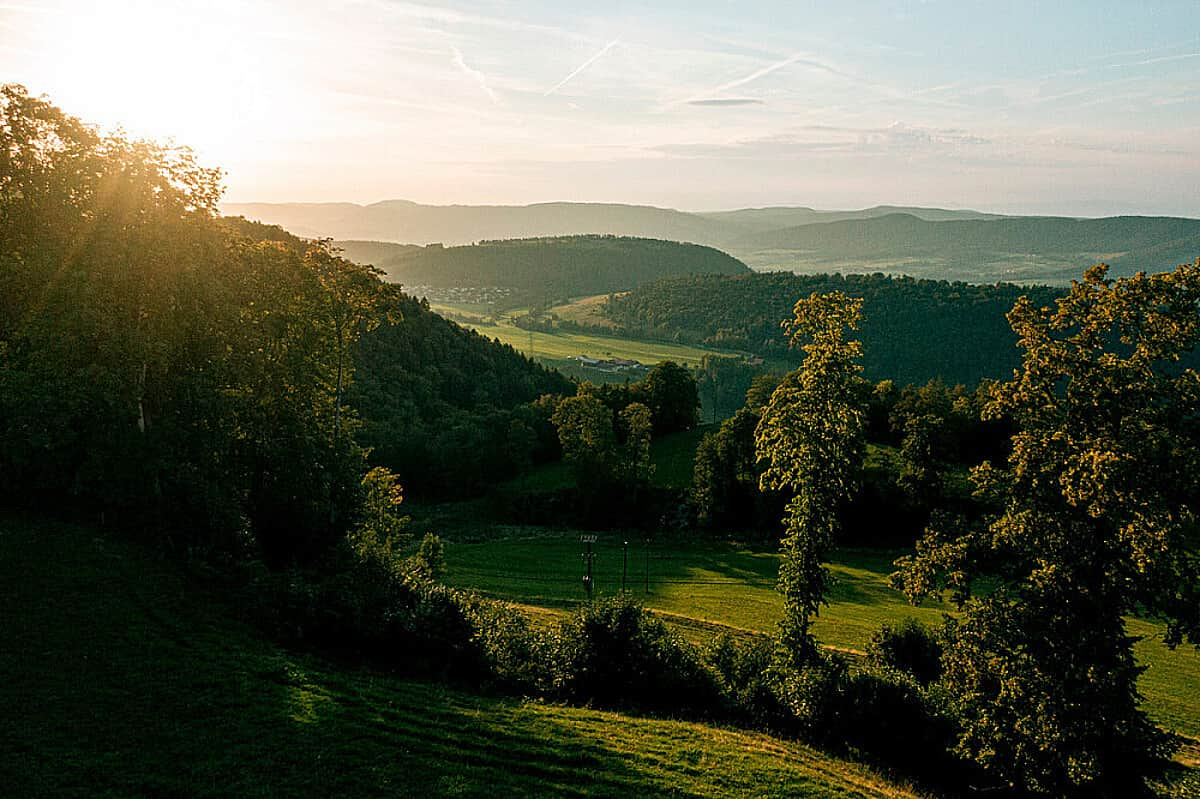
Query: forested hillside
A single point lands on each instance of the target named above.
(557, 267)
(1038, 249)
(437, 403)
(912, 330)
(441, 405)
(372, 252)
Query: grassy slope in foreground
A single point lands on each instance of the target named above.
(119, 679)
(717, 583)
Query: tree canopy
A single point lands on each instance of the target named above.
(1093, 513)
(811, 437)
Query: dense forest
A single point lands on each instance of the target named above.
(912, 330)
(557, 267)
(438, 403)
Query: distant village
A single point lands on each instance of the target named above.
(620, 365)
(612, 365)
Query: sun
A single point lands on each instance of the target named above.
(196, 73)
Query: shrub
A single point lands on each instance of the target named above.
(432, 555)
(514, 651)
(889, 719)
(613, 653)
(743, 672)
(909, 647)
(811, 695)
(377, 606)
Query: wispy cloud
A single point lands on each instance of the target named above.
(582, 66)
(762, 72)
(726, 101)
(1158, 60)
(475, 75)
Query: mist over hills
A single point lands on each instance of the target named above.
(412, 223)
(562, 266)
(934, 243)
(407, 222)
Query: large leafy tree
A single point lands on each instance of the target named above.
(670, 392)
(1093, 512)
(153, 360)
(585, 431)
(811, 437)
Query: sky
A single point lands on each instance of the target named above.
(1079, 108)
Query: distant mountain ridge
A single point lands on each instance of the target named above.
(937, 243)
(406, 222)
(412, 223)
(562, 266)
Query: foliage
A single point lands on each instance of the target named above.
(431, 555)
(449, 410)
(670, 392)
(585, 433)
(1095, 506)
(811, 438)
(743, 669)
(634, 426)
(381, 528)
(567, 266)
(912, 330)
(613, 653)
(153, 361)
(725, 486)
(909, 647)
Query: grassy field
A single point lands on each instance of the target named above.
(120, 678)
(708, 586)
(562, 346)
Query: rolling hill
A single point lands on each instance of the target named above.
(413, 223)
(761, 220)
(1047, 249)
(912, 330)
(557, 267)
(937, 243)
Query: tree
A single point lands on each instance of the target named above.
(634, 422)
(811, 438)
(1093, 509)
(382, 528)
(670, 392)
(725, 478)
(585, 432)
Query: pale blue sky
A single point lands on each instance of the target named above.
(1079, 108)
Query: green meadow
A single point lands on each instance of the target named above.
(122, 677)
(708, 587)
(562, 346)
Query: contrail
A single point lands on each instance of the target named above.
(582, 67)
(478, 76)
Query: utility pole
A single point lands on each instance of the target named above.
(647, 540)
(588, 557)
(624, 563)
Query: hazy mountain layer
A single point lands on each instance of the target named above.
(413, 223)
(564, 266)
(922, 242)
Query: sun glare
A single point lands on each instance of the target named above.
(163, 70)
